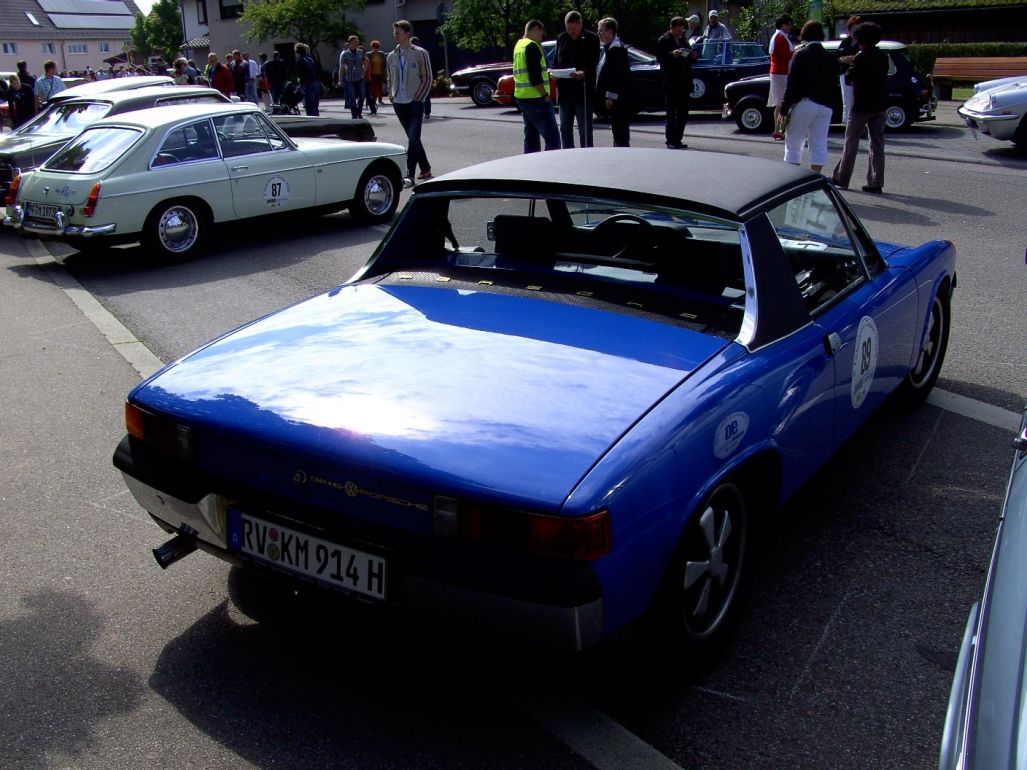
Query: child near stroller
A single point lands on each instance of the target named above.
(289, 102)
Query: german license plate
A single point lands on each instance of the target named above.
(41, 210)
(326, 562)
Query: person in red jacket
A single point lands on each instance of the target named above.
(218, 75)
(781, 49)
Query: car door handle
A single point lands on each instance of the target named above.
(239, 168)
(832, 342)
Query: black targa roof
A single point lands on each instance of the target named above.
(728, 186)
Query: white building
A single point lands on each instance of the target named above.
(74, 33)
(212, 25)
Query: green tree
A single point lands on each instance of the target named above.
(480, 24)
(306, 21)
(165, 28)
(141, 36)
(160, 30)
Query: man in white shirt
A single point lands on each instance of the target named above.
(253, 72)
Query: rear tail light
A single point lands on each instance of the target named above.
(159, 431)
(12, 191)
(581, 538)
(94, 196)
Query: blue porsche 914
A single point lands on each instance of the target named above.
(555, 399)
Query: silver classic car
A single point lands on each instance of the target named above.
(165, 175)
(985, 726)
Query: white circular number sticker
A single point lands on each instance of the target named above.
(698, 88)
(276, 192)
(864, 361)
(730, 433)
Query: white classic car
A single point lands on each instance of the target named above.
(165, 175)
(999, 108)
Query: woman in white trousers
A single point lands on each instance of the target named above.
(812, 80)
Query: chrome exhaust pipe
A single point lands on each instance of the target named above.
(176, 548)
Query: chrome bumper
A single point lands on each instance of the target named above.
(542, 625)
(16, 218)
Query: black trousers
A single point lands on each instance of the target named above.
(676, 96)
(620, 124)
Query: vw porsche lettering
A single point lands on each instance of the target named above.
(352, 489)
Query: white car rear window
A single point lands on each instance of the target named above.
(94, 150)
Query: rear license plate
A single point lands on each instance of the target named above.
(41, 210)
(326, 562)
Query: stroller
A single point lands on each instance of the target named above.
(292, 95)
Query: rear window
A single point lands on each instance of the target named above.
(66, 119)
(94, 150)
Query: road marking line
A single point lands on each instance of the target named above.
(132, 350)
(989, 414)
(588, 732)
(720, 694)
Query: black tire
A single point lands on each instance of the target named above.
(753, 118)
(481, 92)
(377, 195)
(898, 117)
(1020, 135)
(927, 367)
(699, 600)
(176, 230)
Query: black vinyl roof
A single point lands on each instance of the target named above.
(719, 184)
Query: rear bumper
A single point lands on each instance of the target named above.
(997, 126)
(453, 592)
(16, 218)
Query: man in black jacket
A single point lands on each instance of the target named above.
(868, 75)
(675, 56)
(576, 49)
(613, 82)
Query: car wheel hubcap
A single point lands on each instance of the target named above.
(378, 194)
(713, 563)
(178, 229)
(482, 93)
(896, 117)
(931, 347)
(752, 118)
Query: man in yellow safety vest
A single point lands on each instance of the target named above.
(531, 89)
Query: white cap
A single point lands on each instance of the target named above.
(713, 12)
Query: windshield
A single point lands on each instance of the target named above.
(94, 150)
(66, 119)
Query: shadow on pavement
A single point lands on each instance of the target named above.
(234, 250)
(316, 682)
(55, 691)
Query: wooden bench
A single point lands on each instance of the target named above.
(974, 69)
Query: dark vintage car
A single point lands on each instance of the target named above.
(910, 92)
(37, 140)
(558, 400)
(984, 726)
(719, 63)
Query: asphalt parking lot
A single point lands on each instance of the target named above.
(842, 659)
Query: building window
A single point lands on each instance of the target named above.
(33, 19)
(10, 48)
(105, 47)
(230, 9)
(49, 48)
(78, 48)
(201, 11)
